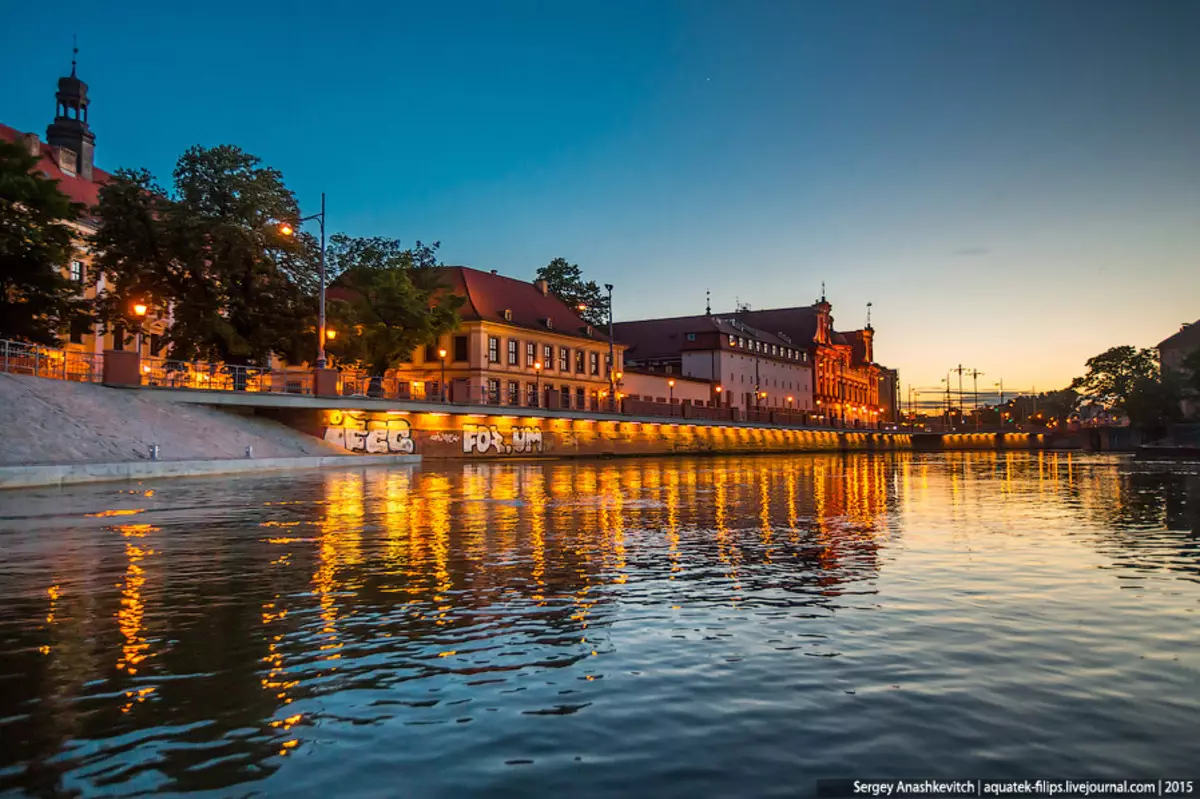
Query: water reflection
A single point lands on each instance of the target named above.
(236, 626)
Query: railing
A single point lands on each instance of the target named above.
(163, 373)
(20, 357)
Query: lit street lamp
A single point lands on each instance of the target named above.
(442, 385)
(537, 384)
(671, 388)
(139, 310)
(612, 361)
(288, 230)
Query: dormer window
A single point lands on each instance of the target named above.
(589, 331)
(507, 314)
(549, 323)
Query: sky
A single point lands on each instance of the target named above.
(1014, 186)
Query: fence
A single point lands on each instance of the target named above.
(163, 373)
(20, 357)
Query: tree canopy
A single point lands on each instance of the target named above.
(566, 281)
(38, 302)
(386, 301)
(238, 288)
(1113, 374)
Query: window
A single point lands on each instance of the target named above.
(460, 348)
(691, 336)
(79, 329)
(531, 395)
(118, 335)
(514, 392)
(741, 341)
(77, 271)
(493, 349)
(565, 397)
(530, 353)
(493, 392)
(431, 353)
(548, 356)
(579, 355)
(580, 399)
(564, 359)
(514, 352)
(594, 357)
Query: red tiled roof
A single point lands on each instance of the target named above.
(75, 187)
(489, 295)
(664, 338)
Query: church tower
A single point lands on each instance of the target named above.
(70, 131)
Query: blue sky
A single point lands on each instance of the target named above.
(1014, 185)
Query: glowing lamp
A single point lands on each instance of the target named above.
(140, 309)
(331, 334)
(286, 229)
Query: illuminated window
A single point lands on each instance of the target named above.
(564, 359)
(530, 354)
(548, 356)
(77, 271)
(493, 349)
(579, 356)
(594, 359)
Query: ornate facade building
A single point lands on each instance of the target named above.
(799, 359)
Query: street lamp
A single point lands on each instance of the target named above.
(537, 383)
(718, 389)
(288, 230)
(139, 310)
(442, 385)
(612, 361)
(671, 389)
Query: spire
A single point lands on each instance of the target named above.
(822, 291)
(69, 131)
(868, 316)
(707, 302)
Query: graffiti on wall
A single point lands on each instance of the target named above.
(373, 434)
(478, 439)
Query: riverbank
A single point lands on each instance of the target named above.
(60, 423)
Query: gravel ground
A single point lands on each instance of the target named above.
(56, 421)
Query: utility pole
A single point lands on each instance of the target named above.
(975, 373)
(1000, 406)
(960, 371)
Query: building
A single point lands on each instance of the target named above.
(518, 345)
(68, 157)
(1171, 354)
(674, 389)
(775, 358)
(748, 367)
(889, 395)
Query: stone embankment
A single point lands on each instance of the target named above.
(62, 422)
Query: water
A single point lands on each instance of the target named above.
(687, 627)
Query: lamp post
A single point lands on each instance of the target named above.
(671, 390)
(612, 362)
(287, 230)
(537, 384)
(442, 385)
(139, 310)
(718, 389)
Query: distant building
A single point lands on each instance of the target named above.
(518, 345)
(889, 395)
(754, 368)
(1171, 353)
(773, 358)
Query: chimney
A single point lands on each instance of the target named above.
(33, 144)
(542, 286)
(494, 272)
(67, 159)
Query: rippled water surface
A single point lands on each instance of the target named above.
(666, 627)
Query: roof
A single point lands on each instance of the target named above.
(1188, 338)
(489, 294)
(664, 338)
(75, 187)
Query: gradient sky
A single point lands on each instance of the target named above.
(1014, 185)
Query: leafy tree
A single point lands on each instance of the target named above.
(1190, 376)
(1153, 404)
(386, 301)
(239, 290)
(37, 300)
(566, 281)
(1112, 375)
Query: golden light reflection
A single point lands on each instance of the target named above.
(132, 611)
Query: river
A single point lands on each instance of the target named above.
(683, 627)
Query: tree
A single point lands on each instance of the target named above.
(566, 281)
(239, 290)
(1153, 404)
(1112, 375)
(386, 301)
(37, 301)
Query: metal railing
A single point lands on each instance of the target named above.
(164, 373)
(19, 357)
